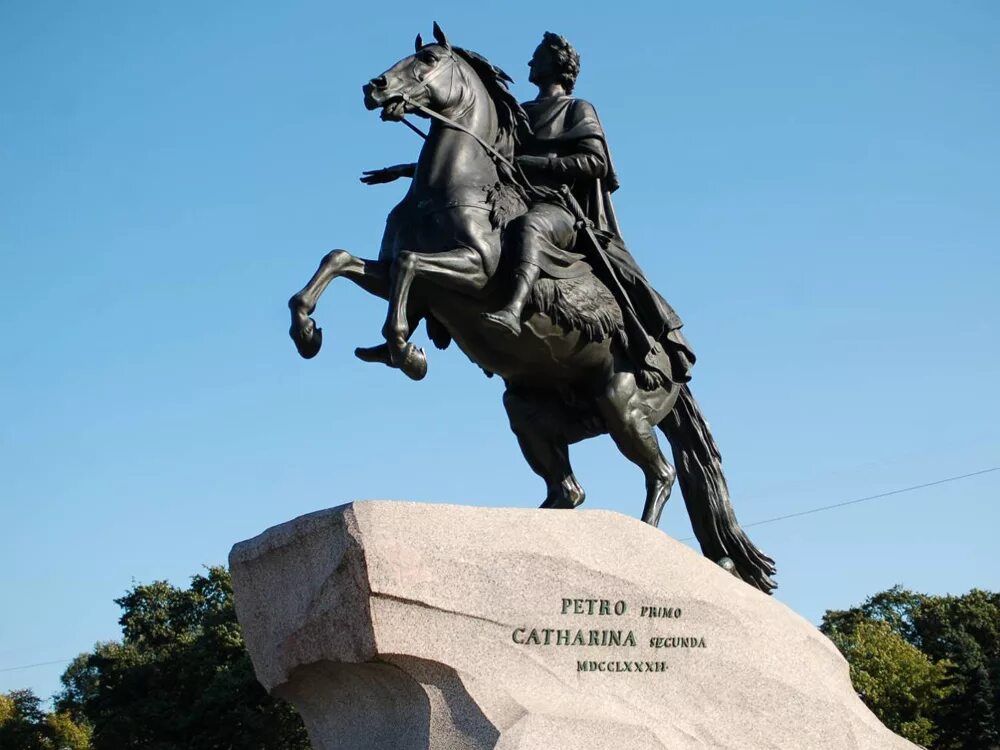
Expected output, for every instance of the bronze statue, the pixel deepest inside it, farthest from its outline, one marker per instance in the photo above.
(506, 244)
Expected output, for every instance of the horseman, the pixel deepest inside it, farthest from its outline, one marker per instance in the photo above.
(568, 147)
(589, 358)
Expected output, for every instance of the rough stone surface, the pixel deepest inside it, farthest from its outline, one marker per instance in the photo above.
(394, 625)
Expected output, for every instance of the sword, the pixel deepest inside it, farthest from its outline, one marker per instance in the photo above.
(586, 226)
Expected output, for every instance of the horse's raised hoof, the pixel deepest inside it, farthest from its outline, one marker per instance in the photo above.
(378, 354)
(307, 337)
(503, 321)
(411, 361)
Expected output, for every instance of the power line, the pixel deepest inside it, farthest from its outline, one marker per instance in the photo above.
(39, 664)
(864, 499)
(691, 538)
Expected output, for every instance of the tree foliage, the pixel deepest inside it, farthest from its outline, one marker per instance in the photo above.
(180, 678)
(895, 679)
(24, 725)
(951, 700)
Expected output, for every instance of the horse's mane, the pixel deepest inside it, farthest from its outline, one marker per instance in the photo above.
(511, 117)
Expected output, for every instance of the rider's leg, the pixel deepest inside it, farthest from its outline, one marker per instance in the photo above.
(545, 231)
(508, 318)
(628, 412)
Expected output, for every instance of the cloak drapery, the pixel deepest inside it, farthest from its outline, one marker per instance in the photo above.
(563, 128)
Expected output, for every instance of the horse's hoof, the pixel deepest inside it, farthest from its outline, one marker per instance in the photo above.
(378, 354)
(307, 338)
(413, 363)
(727, 564)
(503, 321)
(564, 499)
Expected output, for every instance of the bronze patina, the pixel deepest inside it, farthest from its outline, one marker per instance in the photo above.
(506, 244)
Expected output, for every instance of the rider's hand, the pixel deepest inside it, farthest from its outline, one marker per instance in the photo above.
(387, 174)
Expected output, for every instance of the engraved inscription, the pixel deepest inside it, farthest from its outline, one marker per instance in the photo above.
(620, 638)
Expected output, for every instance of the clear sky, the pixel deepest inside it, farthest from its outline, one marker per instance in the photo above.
(814, 186)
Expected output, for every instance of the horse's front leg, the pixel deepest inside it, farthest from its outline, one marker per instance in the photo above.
(460, 270)
(372, 276)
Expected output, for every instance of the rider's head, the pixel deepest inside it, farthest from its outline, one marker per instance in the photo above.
(554, 61)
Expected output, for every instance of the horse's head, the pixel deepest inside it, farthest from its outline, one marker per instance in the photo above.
(435, 77)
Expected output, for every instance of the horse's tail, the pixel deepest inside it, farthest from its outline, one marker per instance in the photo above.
(699, 469)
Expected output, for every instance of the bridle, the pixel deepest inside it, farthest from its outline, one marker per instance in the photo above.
(527, 190)
(447, 121)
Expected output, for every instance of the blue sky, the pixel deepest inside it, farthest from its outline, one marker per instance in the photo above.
(814, 188)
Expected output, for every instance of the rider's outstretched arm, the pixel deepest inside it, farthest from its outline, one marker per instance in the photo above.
(388, 174)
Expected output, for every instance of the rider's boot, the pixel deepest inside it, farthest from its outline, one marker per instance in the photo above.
(508, 319)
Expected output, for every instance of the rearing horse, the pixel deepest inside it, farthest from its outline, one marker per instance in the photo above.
(568, 376)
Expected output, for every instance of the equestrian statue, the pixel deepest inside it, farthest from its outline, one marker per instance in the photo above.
(507, 244)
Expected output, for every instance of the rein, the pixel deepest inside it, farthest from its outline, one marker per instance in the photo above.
(452, 124)
(521, 182)
(528, 190)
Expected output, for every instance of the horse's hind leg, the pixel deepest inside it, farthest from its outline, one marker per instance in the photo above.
(372, 276)
(630, 415)
(544, 429)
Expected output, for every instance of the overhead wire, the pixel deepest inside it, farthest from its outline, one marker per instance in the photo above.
(865, 499)
(775, 519)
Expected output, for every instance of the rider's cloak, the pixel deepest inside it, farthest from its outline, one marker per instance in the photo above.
(565, 126)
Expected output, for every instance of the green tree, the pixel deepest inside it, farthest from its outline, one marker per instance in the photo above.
(896, 607)
(22, 721)
(961, 633)
(67, 734)
(966, 631)
(7, 708)
(896, 680)
(24, 725)
(180, 679)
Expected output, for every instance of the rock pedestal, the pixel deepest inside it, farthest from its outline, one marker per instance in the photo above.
(405, 626)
